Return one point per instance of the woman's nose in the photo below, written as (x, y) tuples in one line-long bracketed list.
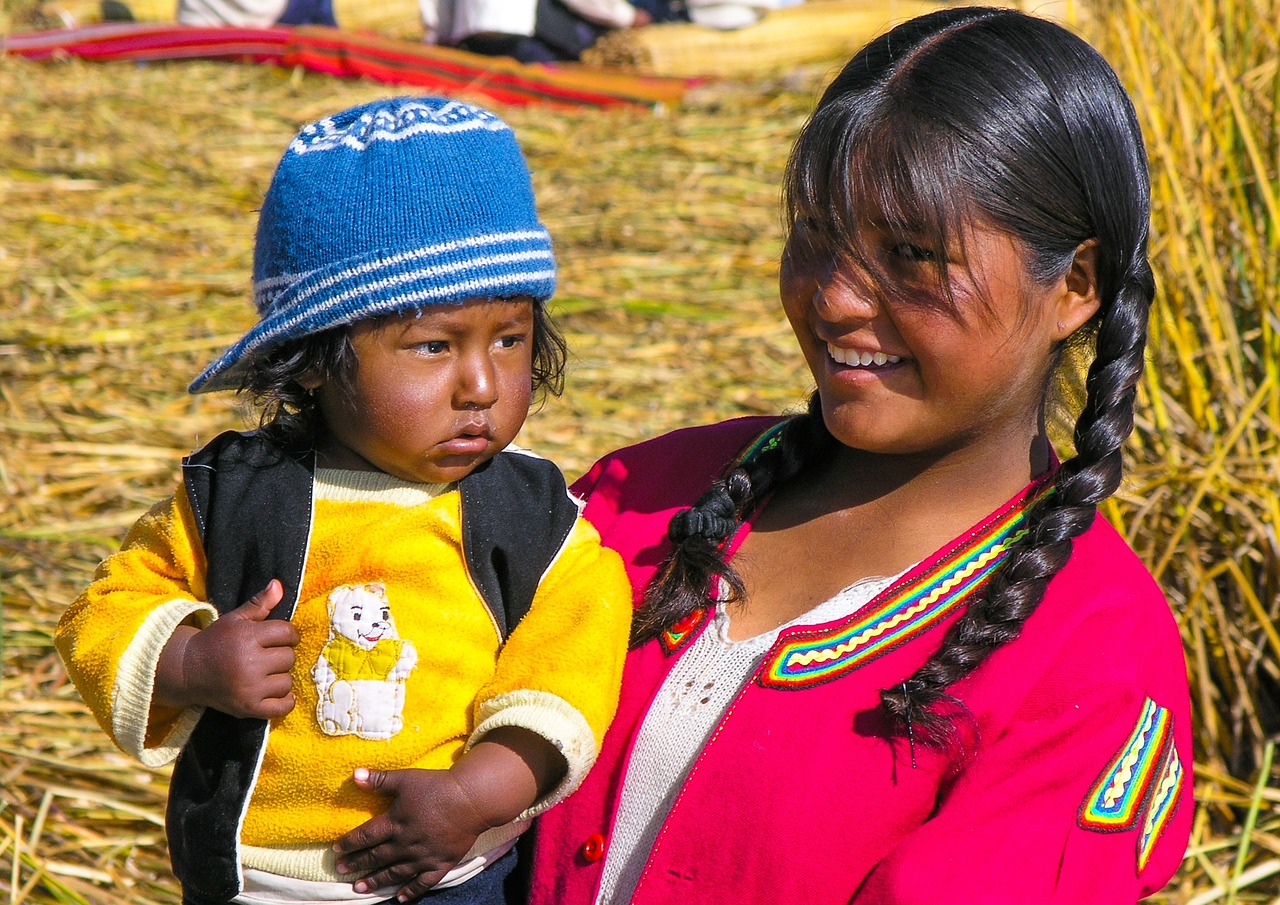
[(843, 297)]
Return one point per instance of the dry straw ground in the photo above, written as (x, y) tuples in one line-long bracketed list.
[(127, 198)]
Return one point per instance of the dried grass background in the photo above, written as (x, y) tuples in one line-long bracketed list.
[(127, 197)]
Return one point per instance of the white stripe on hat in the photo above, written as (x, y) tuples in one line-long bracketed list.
[(322, 136), (476, 286), (265, 298), (337, 299)]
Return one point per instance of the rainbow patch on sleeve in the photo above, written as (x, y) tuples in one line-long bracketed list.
[(1164, 801), (1117, 796)]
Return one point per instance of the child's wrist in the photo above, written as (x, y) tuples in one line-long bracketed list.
[(170, 688), (507, 771)]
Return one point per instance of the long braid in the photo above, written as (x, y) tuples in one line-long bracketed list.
[(1081, 483), (698, 569), (966, 113)]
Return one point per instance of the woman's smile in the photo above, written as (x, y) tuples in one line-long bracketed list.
[(865, 358)]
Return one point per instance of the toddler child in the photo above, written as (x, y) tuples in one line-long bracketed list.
[(376, 636)]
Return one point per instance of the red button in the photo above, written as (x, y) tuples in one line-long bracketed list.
[(593, 848)]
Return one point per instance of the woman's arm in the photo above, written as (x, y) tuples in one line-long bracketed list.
[(1085, 796)]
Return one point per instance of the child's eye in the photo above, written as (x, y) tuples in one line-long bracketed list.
[(510, 342), (433, 347)]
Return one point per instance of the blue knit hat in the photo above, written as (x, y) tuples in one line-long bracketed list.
[(388, 207)]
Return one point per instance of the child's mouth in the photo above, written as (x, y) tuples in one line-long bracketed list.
[(467, 444)]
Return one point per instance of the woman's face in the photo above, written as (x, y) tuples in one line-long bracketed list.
[(906, 372)]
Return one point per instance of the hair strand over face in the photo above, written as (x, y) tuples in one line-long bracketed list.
[(964, 117)]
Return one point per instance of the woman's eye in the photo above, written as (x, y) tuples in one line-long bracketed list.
[(908, 251), (811, 227)]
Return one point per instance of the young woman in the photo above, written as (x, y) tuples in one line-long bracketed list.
[(893, 654)]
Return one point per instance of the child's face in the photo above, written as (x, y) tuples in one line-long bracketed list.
[(434, 395), (939, 381)]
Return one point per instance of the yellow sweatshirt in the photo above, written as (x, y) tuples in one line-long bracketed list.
[(399, 665)]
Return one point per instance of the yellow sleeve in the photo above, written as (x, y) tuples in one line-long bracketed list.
[(560, 671), (111, 637)]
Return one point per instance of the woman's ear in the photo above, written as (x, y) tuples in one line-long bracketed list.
[(1078, 301)]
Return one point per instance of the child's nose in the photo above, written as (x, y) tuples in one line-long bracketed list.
[(477, 383)]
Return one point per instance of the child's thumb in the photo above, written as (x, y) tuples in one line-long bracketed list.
[(372, 780), (258, 607)]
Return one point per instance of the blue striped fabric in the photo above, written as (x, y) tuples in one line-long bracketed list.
[(388, 207)]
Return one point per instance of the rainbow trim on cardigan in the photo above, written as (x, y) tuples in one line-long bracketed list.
[(762, 444), (1164, 801), (902, 612), (1116, 799), (683, 631)]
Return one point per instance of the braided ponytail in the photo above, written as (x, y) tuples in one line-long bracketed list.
[(995, 115), (964, 115), (1082, 482), (698, 572)]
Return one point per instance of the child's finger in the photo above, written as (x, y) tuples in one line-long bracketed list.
[(419, 886), (274, 658), (396, 875), (352, 849), (276, 633), (274, 708), (258, 607), (380, 781), (276, 687)]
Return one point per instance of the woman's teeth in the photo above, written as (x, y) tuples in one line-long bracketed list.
[(855, 359)]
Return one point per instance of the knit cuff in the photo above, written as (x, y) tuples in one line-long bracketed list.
[(134, 688), (551, 717)]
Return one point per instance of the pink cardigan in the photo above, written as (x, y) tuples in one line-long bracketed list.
[(1078, 791)]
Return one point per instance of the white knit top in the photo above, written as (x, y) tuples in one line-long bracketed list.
[(688, 707)]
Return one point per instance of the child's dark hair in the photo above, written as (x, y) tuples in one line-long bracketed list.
[(290, 415), (965, 114)]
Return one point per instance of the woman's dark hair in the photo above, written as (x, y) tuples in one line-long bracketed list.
[(964, 115), (289, 414)]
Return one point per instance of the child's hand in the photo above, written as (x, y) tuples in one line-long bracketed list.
[(432, 821), (240, 664), (435, 815)]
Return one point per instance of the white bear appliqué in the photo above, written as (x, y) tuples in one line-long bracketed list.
[(360, 674)]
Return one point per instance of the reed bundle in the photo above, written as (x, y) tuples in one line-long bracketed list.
[(819, 30), (1201, 504), (129, 196), (809, 32)]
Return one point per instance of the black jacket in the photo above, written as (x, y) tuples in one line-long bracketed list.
[(252, 502)]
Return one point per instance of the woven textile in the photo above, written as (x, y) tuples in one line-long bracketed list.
[(440, 70), (386, 207)]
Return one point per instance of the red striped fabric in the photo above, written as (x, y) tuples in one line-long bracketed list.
[(352, 55)]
